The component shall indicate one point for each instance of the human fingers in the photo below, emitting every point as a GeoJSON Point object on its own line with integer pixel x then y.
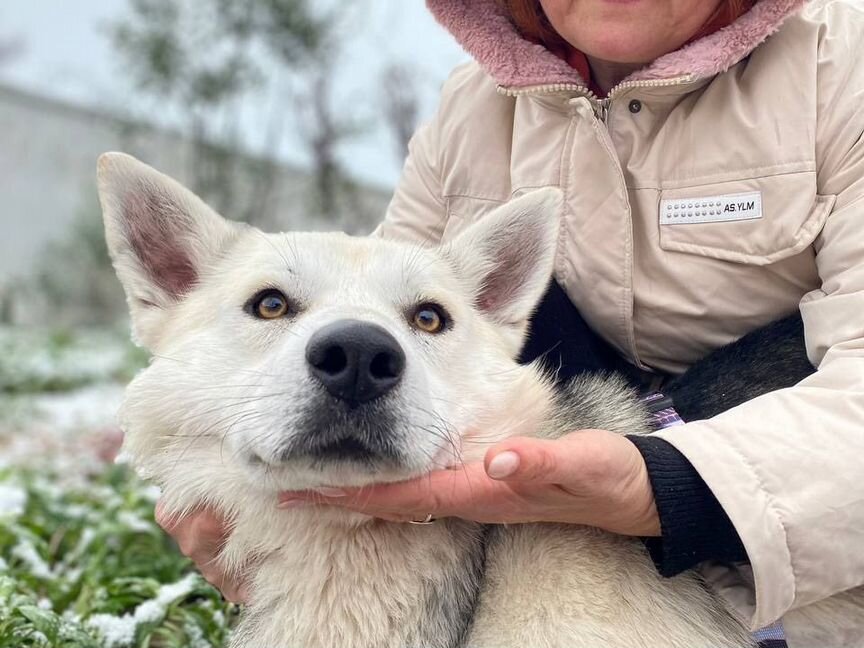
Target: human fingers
{"type": "Point", "coordinates": [465, 493]}
{"type": "Point", "coordinates": [592, 477]}
{"type": "Point", "coordinates": [584, 456]}
{"type": "Point", "coordinates": [201, 535]}
{"type": "Point", "coordinates": [164, 519]}
{"type": "Point", "coordinates": [234, 588]}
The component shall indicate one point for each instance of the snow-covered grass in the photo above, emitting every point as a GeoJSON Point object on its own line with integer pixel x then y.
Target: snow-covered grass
{"type": "Point", "coordinates": [44, 360]}
{"type": "Point", "coordinates": [87, 567]}
{"type": "Point", "coordinates": [59, 394]}
{"type": "Point", "coordinates": [82, 562]}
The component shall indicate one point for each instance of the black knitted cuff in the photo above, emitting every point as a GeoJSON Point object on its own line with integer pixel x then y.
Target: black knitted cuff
{"type": "Point", "coordinates": [694, 526]}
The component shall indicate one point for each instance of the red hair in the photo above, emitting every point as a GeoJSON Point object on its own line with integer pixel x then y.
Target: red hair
{"type": "Point", "coordinates": [528, 18]}
{"type": "Point", "coordinates": [530, 21]}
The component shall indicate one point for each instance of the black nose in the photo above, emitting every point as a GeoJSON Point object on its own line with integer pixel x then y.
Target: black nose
{"type": "Point", "coordinates": [356, 361]}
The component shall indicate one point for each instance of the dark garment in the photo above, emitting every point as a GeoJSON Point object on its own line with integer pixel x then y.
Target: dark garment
{"type": "Point", "coordinates": [694, 526]}
{"type": "Point", "coordinates": [566, 345]}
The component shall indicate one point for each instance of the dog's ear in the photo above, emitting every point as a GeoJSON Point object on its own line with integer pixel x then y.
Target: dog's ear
{"type": "Point", "coordinates": [160, 236]}
{"type": "Point", "coordinates": [507, 256]}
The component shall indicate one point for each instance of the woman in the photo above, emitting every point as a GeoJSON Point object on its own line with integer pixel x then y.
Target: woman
{"type": "Point", "coordinates": [712, 159]}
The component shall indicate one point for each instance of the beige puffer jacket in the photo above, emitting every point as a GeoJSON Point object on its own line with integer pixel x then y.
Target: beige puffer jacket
{"type": "Point", "coordinates": [716, 190]}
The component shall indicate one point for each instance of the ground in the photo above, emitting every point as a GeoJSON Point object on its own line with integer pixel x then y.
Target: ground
{"type": "Point", "coordinates": [82, 563]}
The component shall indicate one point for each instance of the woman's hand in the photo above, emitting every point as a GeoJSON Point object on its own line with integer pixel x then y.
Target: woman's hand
{"type": "Point", "coordinates": [200, 536]}
{"type": "Point", "coordinates": [590, 477]}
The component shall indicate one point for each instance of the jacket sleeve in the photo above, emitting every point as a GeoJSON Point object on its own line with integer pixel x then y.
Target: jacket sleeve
{"type": "Point", "coordinates": [694, 527]}
{"type": "Point", "coordinates": [418, 211]}
{"type": "Point", "coordinates": [788, 467]}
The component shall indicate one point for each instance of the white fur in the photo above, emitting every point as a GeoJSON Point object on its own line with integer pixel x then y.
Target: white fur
{"type": "Point", "coordinates": [123, 182]}
{"type": "Point", "coordinates": [225, 393]}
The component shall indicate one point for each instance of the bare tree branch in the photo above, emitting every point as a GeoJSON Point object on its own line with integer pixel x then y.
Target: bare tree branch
{"type": "Point", "coordinates": [10, 49]}
{"type": "Point", "coordinates": [203, 57]}
{"type": "Point", "coordinates": [401, 105]}
{"type": "Point", "coordinates": [324, 133]}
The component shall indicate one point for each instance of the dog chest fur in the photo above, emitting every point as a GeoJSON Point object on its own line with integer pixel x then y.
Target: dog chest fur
{"type": "Point", "coordinates": [374, 584]}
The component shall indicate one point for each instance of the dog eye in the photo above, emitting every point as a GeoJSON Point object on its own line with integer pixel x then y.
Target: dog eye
{"type": "Point", "coordinates": [269, 304]}
{"type": "Point", "coordinates": [429, 318]}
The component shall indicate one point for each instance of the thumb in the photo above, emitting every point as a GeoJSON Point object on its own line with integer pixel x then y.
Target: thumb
{"type": "Point", "coordinates": [526, 459]}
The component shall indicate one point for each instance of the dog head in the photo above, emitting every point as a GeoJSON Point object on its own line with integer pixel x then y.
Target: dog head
{"type": "Point", "coordinates": [289, 361]}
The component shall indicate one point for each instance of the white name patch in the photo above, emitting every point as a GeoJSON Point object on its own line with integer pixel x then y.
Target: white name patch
{"type": "Point", "coordinates": [713, 209]}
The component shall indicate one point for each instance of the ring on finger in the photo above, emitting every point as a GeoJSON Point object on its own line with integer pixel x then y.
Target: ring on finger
{"type": "Point", "coordinates": [427, 520]}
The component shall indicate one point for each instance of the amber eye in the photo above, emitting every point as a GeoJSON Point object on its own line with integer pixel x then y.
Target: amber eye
{"type": "Point", "coordinates": [270, 304]}
{"type": "Point", "coordinates": [429, 318]}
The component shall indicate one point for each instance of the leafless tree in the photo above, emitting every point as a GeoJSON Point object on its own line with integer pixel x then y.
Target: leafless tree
{"type": "Point", "coordinates": [10, 49]}
{"type": "Point", "coordinates": [206, 62]}
{"type": "Point", "coordinates": [6, 303]}
{"type": "Point", "coordinates": [401, 104]}
{"type": "Point", "coordinates": [204, 58]}
{"type": "Point", "coordinates": [324, 132]}
{"type": "Point", "coordinates": [322, 136]}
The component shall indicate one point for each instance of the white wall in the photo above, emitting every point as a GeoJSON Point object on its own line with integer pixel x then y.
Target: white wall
{"type": "Point", "coordinates": [48, 152]}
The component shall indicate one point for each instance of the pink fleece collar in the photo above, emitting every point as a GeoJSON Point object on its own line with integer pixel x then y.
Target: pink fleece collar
{"type": "Point", "coordinates": [488, 36]}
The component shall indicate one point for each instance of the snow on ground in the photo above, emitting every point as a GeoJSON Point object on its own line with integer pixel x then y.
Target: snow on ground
{"type": "Point", "coordinates": [12, 499]}
{"type": "Point", "coordinates": [120, 631]}
{"type": "Point", "coordinates": [82, 562]}
{"type": "Point", "coordinates": [43, 359]}
{"type": "Point", "coordinates": [59, 397]}
{"type": "Point", "coordinates": [73, 431]}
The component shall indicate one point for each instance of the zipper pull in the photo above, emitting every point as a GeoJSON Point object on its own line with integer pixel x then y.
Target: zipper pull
{"type": "Point", "coordinates": [602, 110]}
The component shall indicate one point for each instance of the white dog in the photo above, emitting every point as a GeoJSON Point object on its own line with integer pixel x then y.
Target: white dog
{"type": "Point", "coordinates": [301, 361]}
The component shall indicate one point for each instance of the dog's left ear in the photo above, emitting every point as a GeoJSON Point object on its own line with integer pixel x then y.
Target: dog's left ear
{"type": "Point", "coordinates": [507, 256]}
{"type": "Point", "coordinates": [161, 237]}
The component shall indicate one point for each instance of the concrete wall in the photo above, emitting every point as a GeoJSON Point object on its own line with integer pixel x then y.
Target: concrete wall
{"type": "Point", "coordinates": [48, 152]}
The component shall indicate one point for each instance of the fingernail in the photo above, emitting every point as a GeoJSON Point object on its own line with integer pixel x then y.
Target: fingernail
{"type": "Point", "coordinates": [327, 491]}
{"type": "Point", "coordinates": [292, 503]}
{"type": "Point", "coordinates": [503, 465]}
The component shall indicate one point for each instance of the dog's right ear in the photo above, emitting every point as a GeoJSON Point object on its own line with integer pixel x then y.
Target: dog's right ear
{"type": "Point", "coordinates": [506, 258]}
{"type": "Point", "coordinates": [160, 236]}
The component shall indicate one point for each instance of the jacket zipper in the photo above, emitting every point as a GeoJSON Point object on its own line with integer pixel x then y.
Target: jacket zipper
{"type": "Point", "coordinates": [601, 109]}
{"type": "Point", "coordinates": [600, 106]}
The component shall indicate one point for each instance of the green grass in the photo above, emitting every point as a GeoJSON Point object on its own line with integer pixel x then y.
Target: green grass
{"type": "Point", "coordinates": [86, 566]}
{"type": "Point", "coordinates": [53, 360]}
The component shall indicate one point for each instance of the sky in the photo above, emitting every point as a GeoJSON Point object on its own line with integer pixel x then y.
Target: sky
{"type": "Point", "coordinates": [65, 53]}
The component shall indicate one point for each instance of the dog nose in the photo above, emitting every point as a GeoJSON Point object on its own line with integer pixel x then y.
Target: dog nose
{"type": "Point", "coordinates": [356, 361]}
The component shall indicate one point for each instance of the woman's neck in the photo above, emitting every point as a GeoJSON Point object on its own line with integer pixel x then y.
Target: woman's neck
{"type": "Point", "coordinates": [607, 74]}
